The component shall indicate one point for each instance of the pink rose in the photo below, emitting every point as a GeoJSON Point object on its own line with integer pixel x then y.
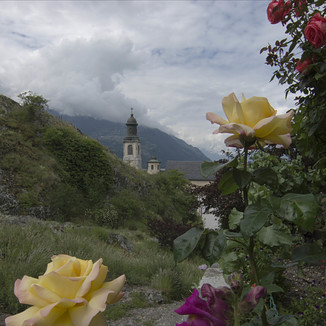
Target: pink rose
{"type": "Point", "coordinates": [315, 30]}
{"type": "Point", "coordinates": [277, 10]}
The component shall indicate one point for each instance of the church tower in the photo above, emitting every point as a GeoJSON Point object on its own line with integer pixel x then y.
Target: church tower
{"type": "Point", "coordinates": [131, 144]}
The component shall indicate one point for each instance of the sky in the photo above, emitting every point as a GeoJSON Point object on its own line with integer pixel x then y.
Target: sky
{"type": "Point", "coordinates": [171, 61]}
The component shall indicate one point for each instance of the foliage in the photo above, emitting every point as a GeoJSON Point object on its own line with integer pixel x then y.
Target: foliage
{"type": "Point", "coordinates": [175, 195]}
{"type": "Point", "coordinates": [310, 308]}
{"type": "Point", "coordinates": [84, 163]}
{"type": "Point", "coordinates": [210, 197]}
{"type": "Point", "coordinates": [267, 222]}
{"type": "Point", "coordinates": [128, 206]}
{"type": "Point", "coordinates": [165, 230]}
{"type": "Point", "coordinates": [34, 105]}
{"type": "Point", "coordinates": [308, 84]}
{"type": "Point", "coordinates": [292, 173]}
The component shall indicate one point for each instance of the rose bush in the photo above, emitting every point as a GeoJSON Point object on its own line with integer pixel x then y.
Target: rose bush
{"type": "Point", "coordinates": [72, 292]}
{"type": "Point", "coordinates": [315, 30]}
{"type": "Point", "coordinates": [252, 121]}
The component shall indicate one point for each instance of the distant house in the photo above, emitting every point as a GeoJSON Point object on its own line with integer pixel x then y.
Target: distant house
{"type": "Point", "coordinates": [191, 171]}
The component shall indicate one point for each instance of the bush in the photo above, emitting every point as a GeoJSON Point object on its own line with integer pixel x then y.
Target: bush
{"type": "Point", "coordinates": [84, 163]}
{"type": "Point", "coordinates": [165, 230]}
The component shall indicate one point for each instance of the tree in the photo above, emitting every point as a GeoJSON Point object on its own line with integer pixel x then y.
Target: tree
{"type": "Point", "coordinates": [34, 104]}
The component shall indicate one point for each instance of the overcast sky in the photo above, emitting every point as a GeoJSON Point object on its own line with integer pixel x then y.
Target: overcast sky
{"type": "Point", "coordinates": [172, 61]}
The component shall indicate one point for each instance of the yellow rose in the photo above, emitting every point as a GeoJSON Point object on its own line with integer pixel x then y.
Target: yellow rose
{"type": "Point", "coordinates": [72, 292]}
{"type": "Point", "coordinates": [253, 120]}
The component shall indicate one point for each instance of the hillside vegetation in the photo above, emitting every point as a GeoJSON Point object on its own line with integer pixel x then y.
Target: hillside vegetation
{"type": "Point", "coordinates": [50, 170]}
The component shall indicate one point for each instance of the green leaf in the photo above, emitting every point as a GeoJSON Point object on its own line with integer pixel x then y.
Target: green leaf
{"type": "Point", "coordinates": [227, 184]}
{"type": "Point", "coordinates": [254, 218]}
{"type": "Point", "coordinates": [214, 246]}
{"type": "Point", "coordinates": [241, 177]}
{"type": "Point", "coordinates": [300, 209]}
{"type": "Point", "coordinates": [274, 319]}
{"type": "Point", "coordinates": [235, 218]}
{"type": "Point", "coordinates": [272, 236]}
{"type": "Point", "coordinates": [265, 176]}
{"type": "Point", "coordinates": [185, 244]}
{"type": "Point", "coordinates": [230, 234]}
{"type": "Point", "coordinates": [209, 168]}
{"type": "Point", "coordinates": [309, 253]}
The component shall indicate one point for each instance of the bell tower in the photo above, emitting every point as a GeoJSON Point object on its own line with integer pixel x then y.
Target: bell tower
{"type": "Point", "coordinates": [131, 144]}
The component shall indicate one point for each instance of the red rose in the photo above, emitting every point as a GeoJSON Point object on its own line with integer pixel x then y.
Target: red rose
{"type": "Point", "coordinates": [315, 30]}
{"type": "Point", "coordinates": [277, 10]}
{"type": "Point", "coordinates": [300, 6]}
{"type": "Point", "coordinates": [302, 66]}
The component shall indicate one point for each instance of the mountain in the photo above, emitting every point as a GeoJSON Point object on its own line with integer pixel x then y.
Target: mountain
{"type": "Point", "coordinates": [154, 142]}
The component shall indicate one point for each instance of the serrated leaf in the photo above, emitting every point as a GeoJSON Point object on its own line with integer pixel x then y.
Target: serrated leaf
{"type": "Point", "coordinates": [185, 244]}
{"type": "Point", "coordinates": [214, 246]}
{"type": "Point", "coordinates": [300, 209]}
{"type": "Point", "coordinates": [265, 176]}
{"type": "Point", "coordinates": [235, 218]}
{"type": "Point", "coordinates": [209, 168]}
{"type": "Point", "coordinates": [254, 218]}
{"type": "Point", "coordinates": [309, 253]}
{"type": "Point", "coordinates": [241, 177]}
{"type": "Point", "coordinates": [227, 184]}
{"type": "Point", "coordinates": [273, 237]}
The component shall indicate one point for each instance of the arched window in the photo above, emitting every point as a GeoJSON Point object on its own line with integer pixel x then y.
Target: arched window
{"type": "Point", "coordinates": [152, 167]}
{"type": "Point", "coordinates": [129, 149]}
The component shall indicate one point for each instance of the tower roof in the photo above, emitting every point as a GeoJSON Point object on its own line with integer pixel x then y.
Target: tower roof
{"type": "Point", "coordinates": [132, 121]}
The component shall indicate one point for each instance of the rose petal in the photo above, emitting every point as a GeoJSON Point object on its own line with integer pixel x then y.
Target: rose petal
{"type": "Point", "coordinates": [82, 315]}
{"type": "Point", "coordinates": [233, 109]}
{"type": "Point", "coordinates": [214, 118]}
{"type": "Point", "coordinates": [98, 320]}
{"type": "Point", "coordinates": [255, 109]}
{"type": "Point", "coordinates": [66, 287]}
{"type": "Point", "coordinates": [284, 140]}
{"type": "Point", "coordinates": [21, 290]}
{"type": "Point", "coordinates": [116, 286]}
{"type": "Point", "coordinates": [237, 129]}
{"type": "Point", "coordinates": [233, 141]}
{"type": "Point", "coordinates": [276, 125]}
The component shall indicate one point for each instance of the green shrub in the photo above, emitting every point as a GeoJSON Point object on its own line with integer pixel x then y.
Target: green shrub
{"type": "Point", "coordinates": [85, 164]}
{"type": "Point", "coordinates": [128, 205]}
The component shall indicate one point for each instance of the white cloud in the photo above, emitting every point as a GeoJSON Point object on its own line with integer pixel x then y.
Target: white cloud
{"type": "Point", "coordinates": [171, 60]}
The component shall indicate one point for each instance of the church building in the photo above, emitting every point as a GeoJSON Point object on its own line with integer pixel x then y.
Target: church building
{"type": "Point", "coordinates": [131, 144]}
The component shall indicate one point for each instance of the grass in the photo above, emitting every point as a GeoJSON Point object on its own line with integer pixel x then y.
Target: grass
{"type": "Point", "coordinates": [27, 249]}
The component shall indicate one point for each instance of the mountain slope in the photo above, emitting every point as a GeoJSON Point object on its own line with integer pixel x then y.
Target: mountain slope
{"type": "Point", "coordinates": [154, 142]}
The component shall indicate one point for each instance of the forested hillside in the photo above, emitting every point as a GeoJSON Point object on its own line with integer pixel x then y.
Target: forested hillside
{"type": "Point", "coordinates": [49, 169]}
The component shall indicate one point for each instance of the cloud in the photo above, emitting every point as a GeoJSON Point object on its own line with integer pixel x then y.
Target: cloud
{"type": "Point", "coordinates": [171, 61]}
